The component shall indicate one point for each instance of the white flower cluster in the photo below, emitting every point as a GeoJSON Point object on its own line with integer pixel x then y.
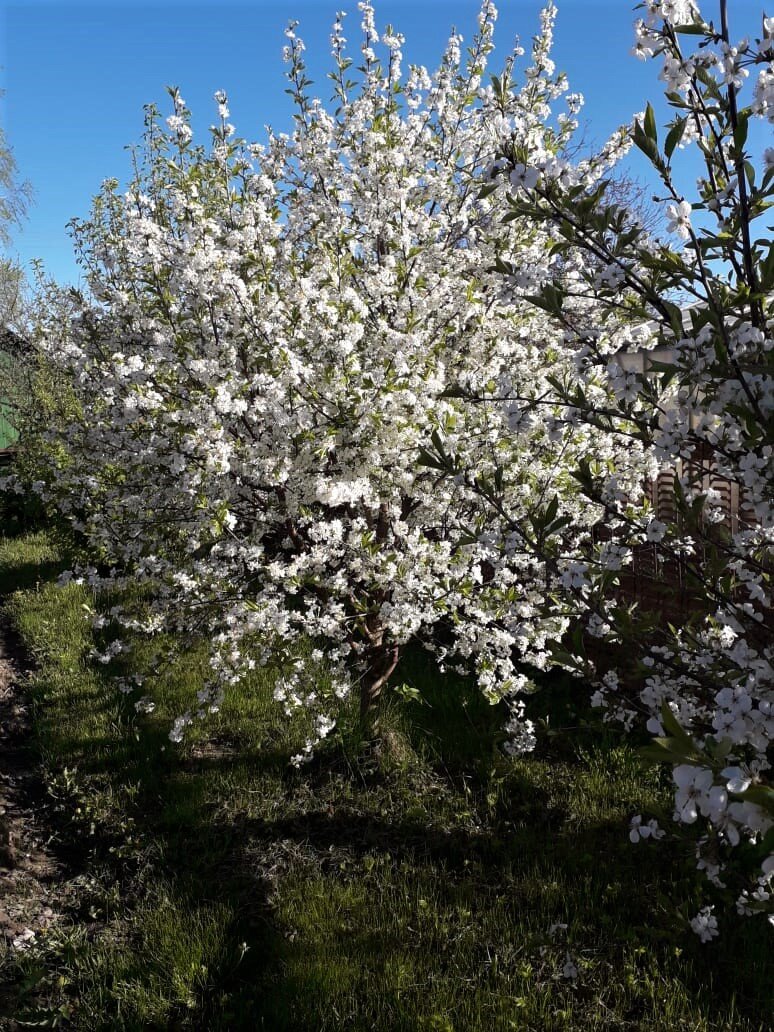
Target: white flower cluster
{"type": "Point", "coordinates": [640, 832]}
{"type": "Point", "coordinates": [688, 397]}
{"type": "Point", "coordinates": [705, 924]}
{"type": "Point", "coordinates": [279, 359]}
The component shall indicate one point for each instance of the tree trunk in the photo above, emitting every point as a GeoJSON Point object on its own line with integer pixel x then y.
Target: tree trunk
{"type": "Point", "coordinates": [382, 656]}
{"type": "Point", "coordinates": [382, 660]}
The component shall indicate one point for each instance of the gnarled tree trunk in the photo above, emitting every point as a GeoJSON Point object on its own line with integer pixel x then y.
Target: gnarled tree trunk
{"type": "Point", "coordinates": [382, 659]}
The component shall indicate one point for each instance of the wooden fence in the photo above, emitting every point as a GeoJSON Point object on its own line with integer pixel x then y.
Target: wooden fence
{"type": "Point", "coordinates": [668, 584]}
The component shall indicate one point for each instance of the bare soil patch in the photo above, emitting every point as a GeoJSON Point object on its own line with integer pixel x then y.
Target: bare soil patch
{"type": "Point", "coordinates": [31, 875]}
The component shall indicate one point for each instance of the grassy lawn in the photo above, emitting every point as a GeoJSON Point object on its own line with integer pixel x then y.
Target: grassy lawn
{"type": "Point", "coordinates": [425, 888]}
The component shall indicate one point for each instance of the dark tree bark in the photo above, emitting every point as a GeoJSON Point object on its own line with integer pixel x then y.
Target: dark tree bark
{"type": "Point", "coordinates": [383, 657]}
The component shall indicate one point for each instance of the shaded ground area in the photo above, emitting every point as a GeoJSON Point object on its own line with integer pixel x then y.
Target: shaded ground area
{"type": "Point", "coordinates": [27, 864]}
{"type": "Point", "coordinates": [33, 880]}
{"type": "Point", "coordinates": [430, 884]}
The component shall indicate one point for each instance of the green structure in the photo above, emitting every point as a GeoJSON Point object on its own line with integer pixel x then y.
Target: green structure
{"type": "Point", "coordinates": [8, 434]}
{"type": "Point", "coordinates": [12, 348]}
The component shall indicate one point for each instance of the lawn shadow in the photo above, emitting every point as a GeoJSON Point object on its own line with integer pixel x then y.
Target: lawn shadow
{"type": "Point", "coordinates": [27, 575]}
{"type": "Point", "coordinates": [222, 851]}
{"type": "Point", "coordinates": [612, 896]}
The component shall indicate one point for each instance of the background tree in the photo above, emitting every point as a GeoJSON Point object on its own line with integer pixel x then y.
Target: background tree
{"type": "Point", "coordinates": [14, 197]}
{"type": "Point", "coordinates": [14, 194]}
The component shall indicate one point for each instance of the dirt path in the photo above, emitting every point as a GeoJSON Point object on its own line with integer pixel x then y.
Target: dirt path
{"type": "Point", "coordinates": [30, 874]}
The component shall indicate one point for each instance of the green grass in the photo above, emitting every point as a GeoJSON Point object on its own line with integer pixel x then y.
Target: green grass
{"type": "Point", "coordinates": [412, 890]}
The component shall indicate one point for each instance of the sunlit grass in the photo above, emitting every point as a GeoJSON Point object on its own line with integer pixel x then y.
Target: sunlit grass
{"type": "Point", "coordinates": [425, 887]}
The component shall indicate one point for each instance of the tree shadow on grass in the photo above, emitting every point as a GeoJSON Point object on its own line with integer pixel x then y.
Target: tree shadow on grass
{"type": "Point", "coordinates": [27, 575]}
{"type": "Point", "coordinates": [551, 866]}
{"type": "Point", "coordinates": [613, 897]}
{"type": "Point", "coordinates": [229, 867]}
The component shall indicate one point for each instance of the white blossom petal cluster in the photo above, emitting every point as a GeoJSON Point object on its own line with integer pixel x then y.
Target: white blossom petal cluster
{"type": "Point", "coordinates": [673, 340]}
{"type": "Point", "coordinates": [705, 924]}
{"type": "Point", "coordinates": [286, 342]}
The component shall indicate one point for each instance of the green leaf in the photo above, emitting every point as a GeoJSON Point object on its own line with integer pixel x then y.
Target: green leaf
{"type": "Point", "coordinates": [767, 270]}
{"type": "Point", "coordinates": [544, 301]}
{"type": "Point", "coordinates": [427, 458]}
{"type": "Point", "coordinates": [674, 136]}
{"type": "Point", "coordinates": [551, 510]}
{"type": "Point", "coordinates": [675, 317]}
{"type": "Point", "coordinates": [558, 524]}
{"type": "Point", "coordinates": [408, 692]}
{"type": "Point", "coordinates": [645, 143]}
{"type": "Point", "coordinates": [656, 753]}
{"type": "Point", "coordinates": [760, 795]}
{"type": "Point", "coordinates": [670, 723]}
{"type": "Point", "coordinates": [718, 750]}
{"type": "Point", "coordinates": [692, 29]}
{"type": "Point", "coordinates": [740, 133]}
{"type": "Point", "coordinates": [650, 123]}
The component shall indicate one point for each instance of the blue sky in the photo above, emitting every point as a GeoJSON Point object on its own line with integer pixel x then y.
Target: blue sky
{"type": "Point", "coordinates": [76, 77]}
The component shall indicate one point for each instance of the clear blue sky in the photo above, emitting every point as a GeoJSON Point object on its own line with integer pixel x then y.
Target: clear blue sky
{"type": "Point", "coordinates": [77, 75]}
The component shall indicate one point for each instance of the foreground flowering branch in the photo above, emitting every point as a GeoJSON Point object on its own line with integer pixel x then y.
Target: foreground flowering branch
{"type": "Point", "coordinates": [674, 351]}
